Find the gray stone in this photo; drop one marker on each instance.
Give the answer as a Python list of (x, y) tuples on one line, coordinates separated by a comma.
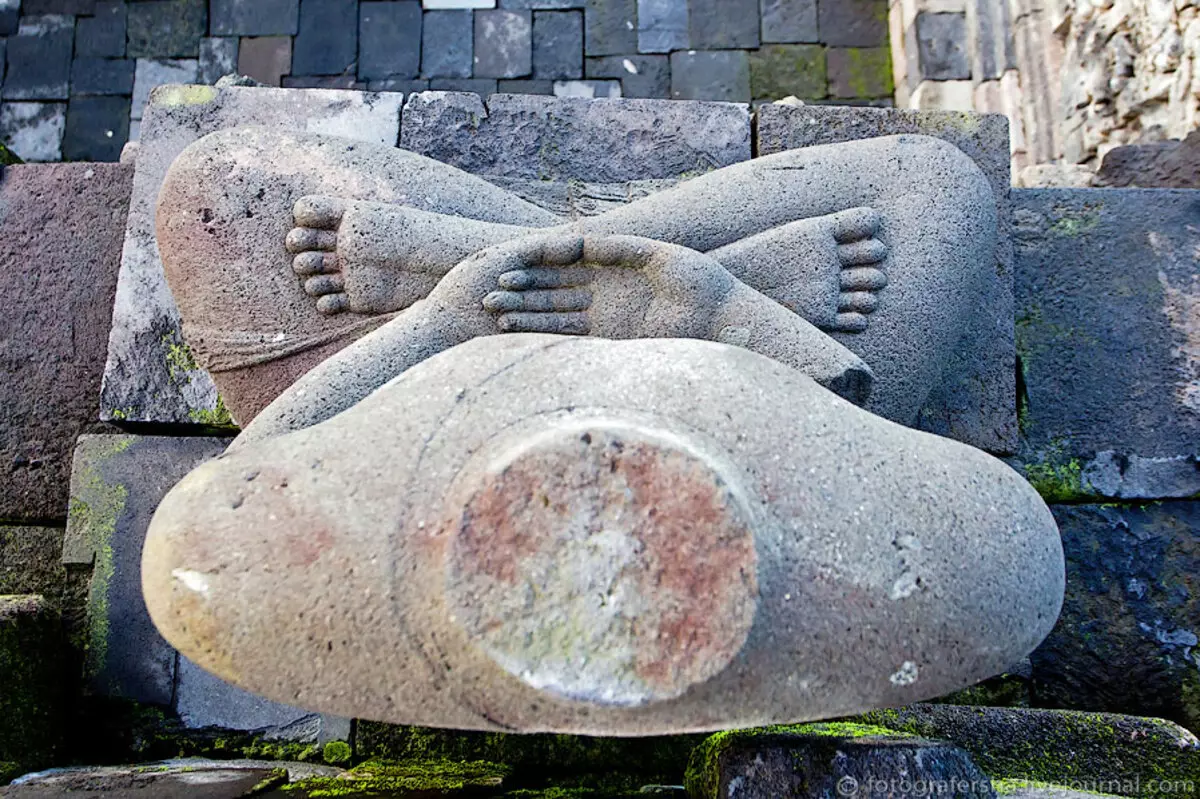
[(589, 89), (255, 17), (150, 375), (1106, 334), (940, 40), (990, 42), (480, 86), (447, 44), (720, 75), (9, 17), (97, 128), (62, 779), (34, 131), (789, 70), (39, 59), (853, 23), (503, 44), (541, 5), (116, 482), (721, 24), (641, 76), (557, 45), (265, 59), (526, 87), (102, 76), (823, 760), (611, 27), (398, 85), (102, 36), (789, 21), (975, 401), (859, 72), (389, 39), (180, 781), (68, 219), (218, 58), (31, 561), (1171, 164), (151, 73), (662, 25), (166, 28), (323, 82), (202, 700), (327, 43)]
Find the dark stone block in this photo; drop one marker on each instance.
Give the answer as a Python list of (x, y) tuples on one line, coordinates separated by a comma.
[(70, 220), (447, 44), (31, 561), (503, 44), (398, 85), (557, 45), (389, 43), (1106, 320), (662, 25), (39, 60), (789, 21), (218, 58), (255, 17), (545, 87), (722, 75), (101, 36), (323, 82), (32, 654), (265, 58), (328, 40), (102, 76), (646, 76), (782, 70), (991, 26), (540, 5), (9, 20), (1171, 164), (166, 28), (859, 72), (853, 23), (480, 86), (611, 27), (941, 42), (723, 24), (97, 128), (73, 7)]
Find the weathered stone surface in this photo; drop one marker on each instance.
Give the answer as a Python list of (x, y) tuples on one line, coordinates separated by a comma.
[(845, 760), (34, 131), (481, 86), (323, 82), (218, 58), (588, 89), (68, 220), (1100, 751), (975, 402), (859, 72), (447, 44), (1169, 164), (853, 23), (557, 45), (992, 49), (9, 17), (58, 6), (662, 25), (723, 24), (255, 17), (389, 39), (941, 44), (151, 73), (1128, 628), (783, 70), (39, 59), (720, 75), (166, 28), (97, 128), (102, 76), (31, 704), (545, 87), (102, 36), (327, 43), (503, 44), (202, 700), (150, 375), (185, 780), (641, 76), (789, 21), (31, 561), (265, 59), (1107, 332), (611, 27)]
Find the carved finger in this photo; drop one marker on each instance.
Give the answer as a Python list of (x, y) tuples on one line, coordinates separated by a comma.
[(319, 212), (324, 284), (314, 263), (850, 322), (862, 253), (332, 304), (557, 300), (567, 324), (562, 250), (863, 279), (626, 251), (863, 302), (854, 224), (545, 278), (304, 238)]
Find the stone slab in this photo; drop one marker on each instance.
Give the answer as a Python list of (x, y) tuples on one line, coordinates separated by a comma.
[(662, 25), (58, 6), (254, 17), (202, 700), (166, 28), (265, 59), (10, 16), (102, 35), (503, 44), (68, 219), (859, 72), (717, 75), (522, 86), (941, 45), (447, 49), (151, 73), (1171, 164), (150, 375), (853, 23), (389, 40), (218, 58), (723, 24), (39, 59), (31, 561), (788, 70), (557, 45), (976, 405), (789, 21), (589, 89), (97, 128), (327, 43), (641, 76), (481, 86), (185, 781), (34, 131), (1108, 292), (611, 27), (102, 76), (31, 671)]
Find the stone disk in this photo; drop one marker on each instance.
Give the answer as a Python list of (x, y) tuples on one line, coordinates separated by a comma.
[(603, 562)]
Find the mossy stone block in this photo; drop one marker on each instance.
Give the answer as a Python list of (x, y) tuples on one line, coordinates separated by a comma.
[(860, 72), (30, 685), (782, 70)]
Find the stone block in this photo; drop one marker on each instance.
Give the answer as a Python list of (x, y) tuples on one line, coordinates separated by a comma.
[(166, 28), (31, 561), (557, 45), (73, 7), (940, 42), (31, 671), (34, 131), (662, 25), (170, 779), (266, 59), (151, 73), (641, 76), (403, 85), (943, 95), (590, 89), (480, 86), (1107, 295), (782, 70), (542, 5), (389, 40), (68, 219), (447, 44), (611, 27), (102, 76), (525, 87), (853, 23), (218, 58), (789, 21), (719, 75), (255, 17), (976, 402), (859, 72), (39, 59), (203, 700), (97, 128), (503, 44), (1171, 164), (989, 28), (1125, 639), (10, 16), (323, 82), (102, 36), (723, 24), (453, 5), (327, 43), (150, 375)]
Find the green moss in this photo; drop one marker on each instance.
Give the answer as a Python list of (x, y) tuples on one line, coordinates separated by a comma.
[(180, 362), (336, 753), (780, 70), (1007, 690), (377, 777), (31, 683), (1076, 221), (1008, 787), (217, 417), (1057, 477), (8, 157), (868, 71)]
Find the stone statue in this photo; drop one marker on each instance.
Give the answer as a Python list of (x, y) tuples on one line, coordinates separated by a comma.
[(677, 494)]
